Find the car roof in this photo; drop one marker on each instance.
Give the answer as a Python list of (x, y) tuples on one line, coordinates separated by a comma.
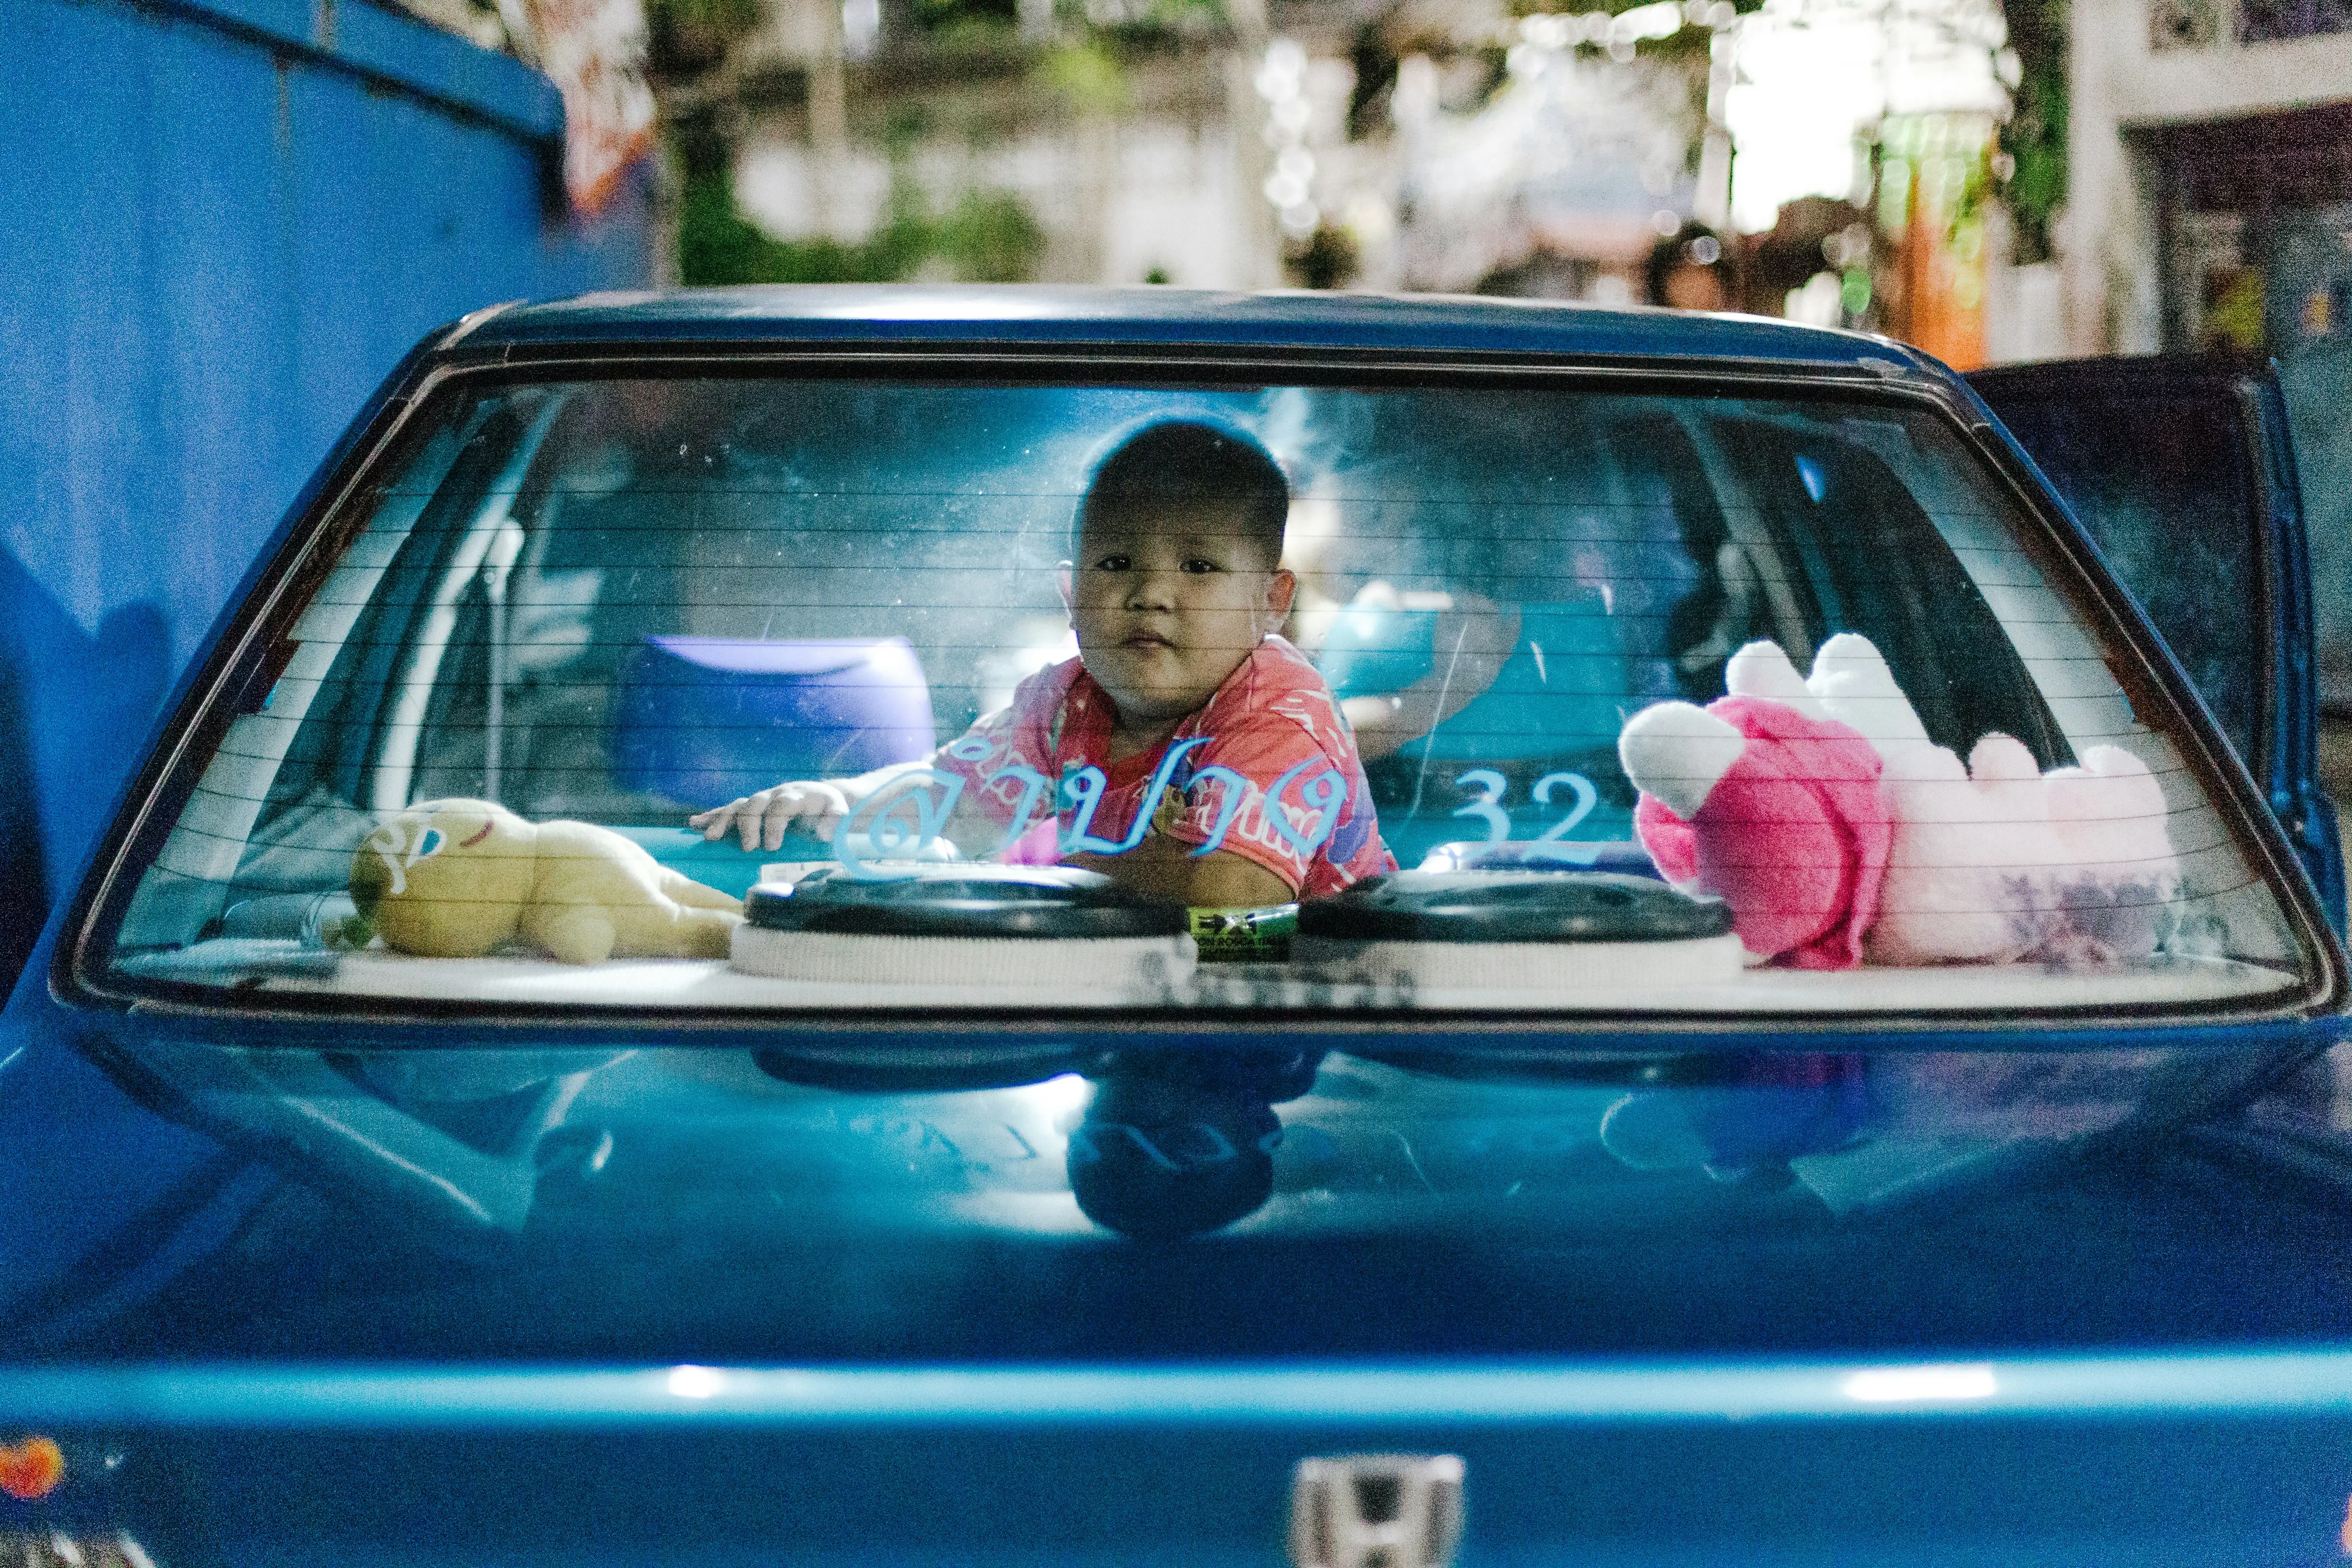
[(1017, 314)]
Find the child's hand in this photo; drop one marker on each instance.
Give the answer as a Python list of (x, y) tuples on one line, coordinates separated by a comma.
[(1474, 639), (762, 820)]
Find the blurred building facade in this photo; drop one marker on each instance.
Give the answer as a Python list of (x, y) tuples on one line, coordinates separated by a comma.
[(1425, 145), (2211, 173), (2211, 210), (1446, 146), (1154, 187)]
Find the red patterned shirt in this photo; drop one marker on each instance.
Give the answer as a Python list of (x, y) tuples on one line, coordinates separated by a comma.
[(1273, 730)]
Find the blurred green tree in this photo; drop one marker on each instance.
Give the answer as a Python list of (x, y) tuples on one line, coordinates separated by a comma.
[(2033, 142)]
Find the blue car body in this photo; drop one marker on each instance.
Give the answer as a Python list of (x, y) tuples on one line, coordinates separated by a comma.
[(2143, 1358)]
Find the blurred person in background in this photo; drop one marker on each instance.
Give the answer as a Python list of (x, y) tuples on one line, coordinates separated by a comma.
[(1693, 270)]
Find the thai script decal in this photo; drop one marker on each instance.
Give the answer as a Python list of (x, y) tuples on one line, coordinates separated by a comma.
[(1301, 812)]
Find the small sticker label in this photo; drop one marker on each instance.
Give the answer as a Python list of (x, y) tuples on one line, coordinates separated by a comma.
[(1244, 935)]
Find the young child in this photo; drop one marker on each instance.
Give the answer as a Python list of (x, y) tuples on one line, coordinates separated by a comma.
[(1182, 700)]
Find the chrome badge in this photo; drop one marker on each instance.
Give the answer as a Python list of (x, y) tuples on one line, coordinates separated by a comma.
[(1375, 1511)]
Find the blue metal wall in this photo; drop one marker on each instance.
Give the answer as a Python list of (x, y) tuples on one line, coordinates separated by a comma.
[(221, 223)]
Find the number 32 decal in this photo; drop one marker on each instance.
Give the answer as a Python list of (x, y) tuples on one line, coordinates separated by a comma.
[(1488, 806)]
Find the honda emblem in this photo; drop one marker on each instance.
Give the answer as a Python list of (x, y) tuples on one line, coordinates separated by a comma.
[(1375, 1511)]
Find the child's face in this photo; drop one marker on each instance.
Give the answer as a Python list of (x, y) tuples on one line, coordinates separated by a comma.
[(1167, 601)]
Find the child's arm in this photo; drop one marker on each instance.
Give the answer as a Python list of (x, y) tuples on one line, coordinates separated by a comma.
[(1474, 640), (763, 819), (820, 808), (1165, 868)]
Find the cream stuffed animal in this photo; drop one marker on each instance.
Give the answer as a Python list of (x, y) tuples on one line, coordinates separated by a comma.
[(1838, 833), (1993, 860), (454, 878)]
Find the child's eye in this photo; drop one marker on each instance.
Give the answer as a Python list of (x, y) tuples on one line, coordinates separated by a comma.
[(1197, 565), (1115, 563)]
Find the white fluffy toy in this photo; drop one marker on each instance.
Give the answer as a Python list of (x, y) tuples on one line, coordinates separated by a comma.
[(1840, 834)]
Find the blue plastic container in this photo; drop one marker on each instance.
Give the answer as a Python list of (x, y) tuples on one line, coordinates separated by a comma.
[(702, 721)]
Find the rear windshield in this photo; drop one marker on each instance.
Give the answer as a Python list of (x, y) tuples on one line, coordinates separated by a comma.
[(841, 695)]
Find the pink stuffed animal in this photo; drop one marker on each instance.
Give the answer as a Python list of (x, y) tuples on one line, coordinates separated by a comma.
[(1839, 834)]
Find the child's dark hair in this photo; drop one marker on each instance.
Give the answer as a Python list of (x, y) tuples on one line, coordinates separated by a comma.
[(1180, 462)]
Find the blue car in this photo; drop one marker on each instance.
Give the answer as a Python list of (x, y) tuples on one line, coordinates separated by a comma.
[(867, 926)]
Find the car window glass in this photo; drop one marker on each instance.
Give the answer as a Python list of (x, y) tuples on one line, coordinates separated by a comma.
[(1378, 698), (2161, 482)]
